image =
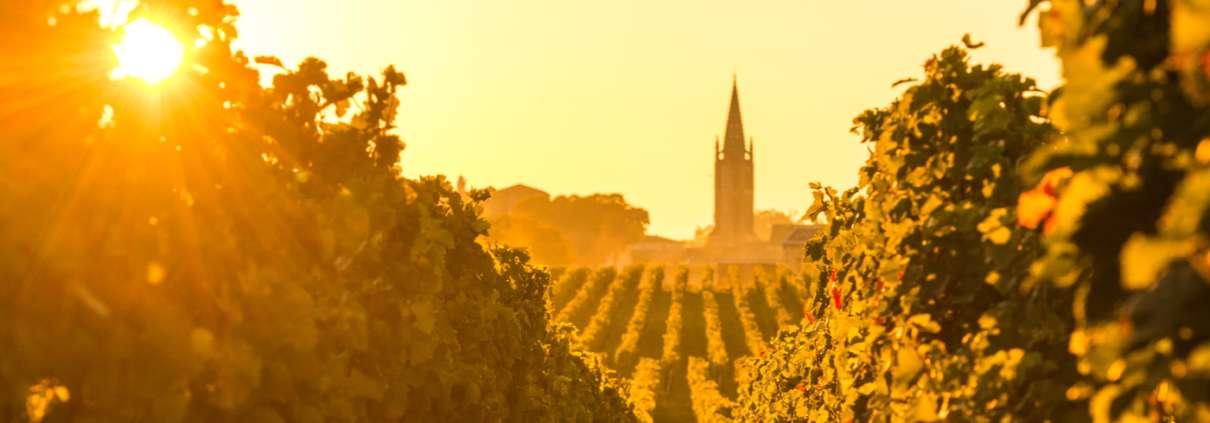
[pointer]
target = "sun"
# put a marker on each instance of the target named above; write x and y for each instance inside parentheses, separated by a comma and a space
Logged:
(148, 51)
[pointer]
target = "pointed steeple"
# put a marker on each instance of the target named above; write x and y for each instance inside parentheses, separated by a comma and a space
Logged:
(733, 139)
(733, 181)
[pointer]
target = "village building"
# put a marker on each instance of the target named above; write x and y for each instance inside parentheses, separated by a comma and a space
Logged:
(732, 241)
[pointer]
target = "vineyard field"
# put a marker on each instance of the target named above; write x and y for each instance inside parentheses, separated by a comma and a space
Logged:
(651, 342)
(605, 305)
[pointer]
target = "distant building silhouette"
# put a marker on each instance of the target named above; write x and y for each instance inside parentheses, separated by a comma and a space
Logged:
(504, 200)
(732, 243)
(733, 182)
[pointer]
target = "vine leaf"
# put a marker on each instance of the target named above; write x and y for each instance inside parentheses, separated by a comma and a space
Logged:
(966, 40)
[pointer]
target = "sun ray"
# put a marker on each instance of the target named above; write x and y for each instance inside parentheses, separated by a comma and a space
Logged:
(148, 51)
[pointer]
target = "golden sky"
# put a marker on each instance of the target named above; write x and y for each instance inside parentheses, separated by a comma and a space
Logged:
(628, 95)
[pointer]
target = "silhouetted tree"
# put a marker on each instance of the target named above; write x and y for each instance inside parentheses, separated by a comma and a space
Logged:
(590, 230)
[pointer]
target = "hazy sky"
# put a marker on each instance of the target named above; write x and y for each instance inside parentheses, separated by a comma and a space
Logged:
(627, 96)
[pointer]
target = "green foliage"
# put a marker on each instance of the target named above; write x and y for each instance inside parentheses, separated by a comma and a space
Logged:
(753, 338)
(772, 287)
(708, 404)
(580, 304)
(596, 331)
(671, 355)
(1128, 230)
(716, 347)
(626, 354)
(584, 389)
(566, 288)
(219, 251)
(918, 302)
(642, 387)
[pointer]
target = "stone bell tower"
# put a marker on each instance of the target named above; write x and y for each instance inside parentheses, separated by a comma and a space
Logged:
(733, 181)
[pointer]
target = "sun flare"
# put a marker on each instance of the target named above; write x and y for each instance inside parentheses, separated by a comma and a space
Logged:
(148, 51)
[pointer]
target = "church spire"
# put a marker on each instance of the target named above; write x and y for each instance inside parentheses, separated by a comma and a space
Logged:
(733, 181)
(733, 139)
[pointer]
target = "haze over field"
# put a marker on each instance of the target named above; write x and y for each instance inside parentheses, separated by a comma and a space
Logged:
(627, 96)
